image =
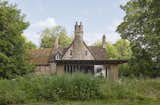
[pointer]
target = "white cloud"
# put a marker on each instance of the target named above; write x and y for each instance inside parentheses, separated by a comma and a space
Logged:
(34, 30)
(47, 23)
(33, 36)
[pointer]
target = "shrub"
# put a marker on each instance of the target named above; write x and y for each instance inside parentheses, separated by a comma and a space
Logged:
(75, 87)
(49, 88)
(10, 93)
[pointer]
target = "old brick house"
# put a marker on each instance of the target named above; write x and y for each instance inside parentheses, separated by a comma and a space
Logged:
(77, 57)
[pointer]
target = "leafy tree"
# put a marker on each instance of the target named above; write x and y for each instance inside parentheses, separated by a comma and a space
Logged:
(141, 26)
(49, 36)
(120, 50)
(123, 49)
(124, 52)
(112, 51)
(28, 44)
(13, 59)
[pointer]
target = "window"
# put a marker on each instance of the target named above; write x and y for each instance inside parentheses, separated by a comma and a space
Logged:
(70, 52)
(57, 57)
(86, 53)
(99, 70)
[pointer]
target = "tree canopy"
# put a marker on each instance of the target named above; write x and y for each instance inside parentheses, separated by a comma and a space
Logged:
(28, 44)
(49, 35)
(13, 59)
(141, 26)
(119, 50)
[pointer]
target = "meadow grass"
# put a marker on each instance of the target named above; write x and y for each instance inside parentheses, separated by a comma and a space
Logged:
(99, 102)
(79, 89)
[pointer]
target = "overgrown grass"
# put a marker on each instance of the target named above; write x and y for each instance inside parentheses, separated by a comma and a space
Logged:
(76, 87)
(49, 88)
(99, 102)
(132, 89)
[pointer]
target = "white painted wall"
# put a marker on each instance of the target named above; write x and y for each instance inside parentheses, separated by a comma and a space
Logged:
(100, 70)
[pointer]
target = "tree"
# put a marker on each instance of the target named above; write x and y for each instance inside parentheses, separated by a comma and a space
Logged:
(28, 44)
(141, 26)
(124, 52)
(13, 59)
(49, 35)
(120, 50)
(123, 49)
(112, 51)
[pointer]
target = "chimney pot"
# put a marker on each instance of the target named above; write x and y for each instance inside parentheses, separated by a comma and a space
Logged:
(79, 31)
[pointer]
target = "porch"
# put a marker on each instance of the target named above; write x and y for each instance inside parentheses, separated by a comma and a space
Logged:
(105, 68)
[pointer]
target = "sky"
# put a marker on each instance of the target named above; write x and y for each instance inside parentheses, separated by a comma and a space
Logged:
(98, 17)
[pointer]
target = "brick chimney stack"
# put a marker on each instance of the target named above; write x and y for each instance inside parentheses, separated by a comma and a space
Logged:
(78, 47)
(79, 31)
(103, 41)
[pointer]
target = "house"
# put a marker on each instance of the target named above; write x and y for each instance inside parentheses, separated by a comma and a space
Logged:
(77, 57)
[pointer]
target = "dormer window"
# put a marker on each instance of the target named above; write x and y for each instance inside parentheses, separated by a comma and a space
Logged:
(58, 57)
(70, 52)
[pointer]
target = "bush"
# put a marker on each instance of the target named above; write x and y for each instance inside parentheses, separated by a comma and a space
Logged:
(10, 93)
(132, 89)
(75, 87)
(49, 88)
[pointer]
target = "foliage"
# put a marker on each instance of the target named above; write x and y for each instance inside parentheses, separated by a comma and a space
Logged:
(28, 44)
(49, 88)
(100, 102)
(77, 87)
(119, 50)
(123, 48)
(13, 59)
(49, 35)
(8, 95)
(111, 50)
(141, 27)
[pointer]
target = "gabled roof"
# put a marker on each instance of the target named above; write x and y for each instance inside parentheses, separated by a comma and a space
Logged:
(42, 56)
(98, 52)
(66, 49)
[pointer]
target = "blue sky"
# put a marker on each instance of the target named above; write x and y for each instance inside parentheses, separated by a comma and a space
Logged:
(98, 16)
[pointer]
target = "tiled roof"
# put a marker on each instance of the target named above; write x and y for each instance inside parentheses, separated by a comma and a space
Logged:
(42, 56)
(98, 52)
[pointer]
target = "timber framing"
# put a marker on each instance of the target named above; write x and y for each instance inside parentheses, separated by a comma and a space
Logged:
(95, 62)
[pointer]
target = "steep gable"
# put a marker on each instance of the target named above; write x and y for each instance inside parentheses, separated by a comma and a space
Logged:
(78, 51)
